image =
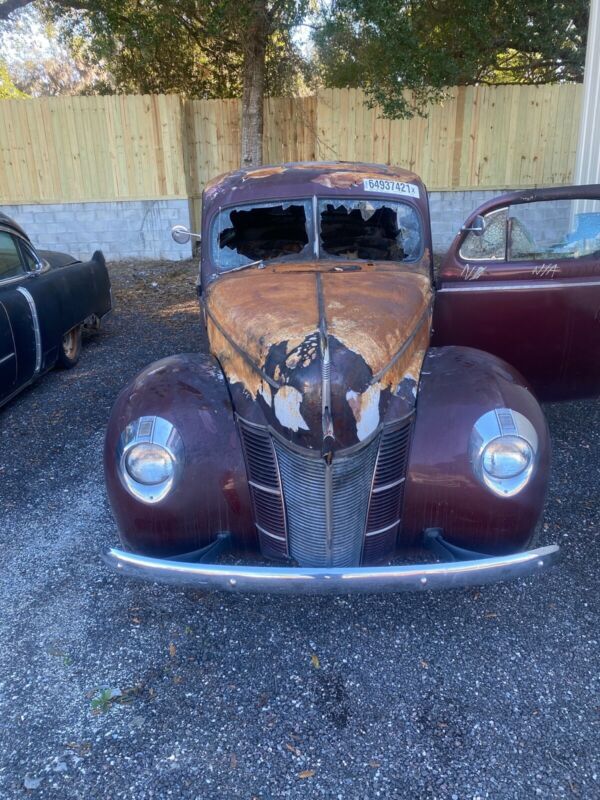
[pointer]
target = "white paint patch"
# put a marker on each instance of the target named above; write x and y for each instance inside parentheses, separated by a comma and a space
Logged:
(265, 392)
(365, 408)
(287, 408)
(415, 382)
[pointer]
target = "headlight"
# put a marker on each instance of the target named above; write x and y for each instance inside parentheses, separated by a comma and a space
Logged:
(150, 458)
(503, 451)
(149, 463)
(507, 457)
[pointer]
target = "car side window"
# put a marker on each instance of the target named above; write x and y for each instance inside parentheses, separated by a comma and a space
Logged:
(489, 245)
(32, 262)
(554, 230)
(11, 265)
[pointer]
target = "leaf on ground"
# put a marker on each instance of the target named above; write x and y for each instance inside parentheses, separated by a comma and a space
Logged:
(306, 773)
(172, 650)
(314, 660)
(293, 749)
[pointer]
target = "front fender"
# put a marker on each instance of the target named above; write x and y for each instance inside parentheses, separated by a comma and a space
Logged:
(211, 494)
(458, 385)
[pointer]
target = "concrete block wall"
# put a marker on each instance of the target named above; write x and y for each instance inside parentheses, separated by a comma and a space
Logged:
(141, 228)
(449, 211)
(124, 229)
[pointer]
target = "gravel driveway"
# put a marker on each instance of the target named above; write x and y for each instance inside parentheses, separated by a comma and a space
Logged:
(112, 689)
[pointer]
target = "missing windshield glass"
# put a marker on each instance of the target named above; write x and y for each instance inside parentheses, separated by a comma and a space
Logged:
(265, 232)
(368, 229)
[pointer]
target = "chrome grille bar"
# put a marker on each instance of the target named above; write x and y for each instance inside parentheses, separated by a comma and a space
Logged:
(265, 490)
(326, 505)
(385, 506)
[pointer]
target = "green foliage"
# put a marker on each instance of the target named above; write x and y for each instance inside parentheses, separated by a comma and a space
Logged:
(405, 53)
(192, 47)
(8, 90)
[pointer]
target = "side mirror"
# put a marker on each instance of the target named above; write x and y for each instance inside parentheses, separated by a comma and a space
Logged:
(477, 226)
(182, 235)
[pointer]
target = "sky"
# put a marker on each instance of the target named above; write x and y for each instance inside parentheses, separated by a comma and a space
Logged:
(24, 38)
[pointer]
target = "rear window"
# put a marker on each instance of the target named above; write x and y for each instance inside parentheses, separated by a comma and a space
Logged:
(371, 230)
(262, 232)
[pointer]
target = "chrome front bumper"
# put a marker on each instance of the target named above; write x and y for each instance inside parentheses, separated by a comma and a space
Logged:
(298, 580)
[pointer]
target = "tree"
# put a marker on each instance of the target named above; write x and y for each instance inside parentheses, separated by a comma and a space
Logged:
(200, 48)
(8, 90)
(39, 64)
(405, 53)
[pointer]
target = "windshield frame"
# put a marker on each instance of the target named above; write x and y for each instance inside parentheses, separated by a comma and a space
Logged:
(309, 247)
(313, 224)
(339, 200)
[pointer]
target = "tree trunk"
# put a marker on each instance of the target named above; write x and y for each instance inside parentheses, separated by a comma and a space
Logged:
(254, 85)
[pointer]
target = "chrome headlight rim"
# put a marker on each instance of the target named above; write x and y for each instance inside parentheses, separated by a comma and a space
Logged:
(159, 432)
(493, 427)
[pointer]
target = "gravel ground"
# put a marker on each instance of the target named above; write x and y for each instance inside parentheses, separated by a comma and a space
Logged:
(112, 689)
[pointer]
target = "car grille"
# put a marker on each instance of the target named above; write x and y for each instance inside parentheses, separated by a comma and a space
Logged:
(320, 515)
(385, 507)
(326, 505)
(265, 490)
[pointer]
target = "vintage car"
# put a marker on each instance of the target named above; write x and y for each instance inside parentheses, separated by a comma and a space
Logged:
(353, 412)
(46, 299)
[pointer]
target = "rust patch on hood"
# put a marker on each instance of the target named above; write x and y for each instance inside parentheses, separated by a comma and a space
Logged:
(374, 314)
(371, 313)
(259, 310)
(273, 331)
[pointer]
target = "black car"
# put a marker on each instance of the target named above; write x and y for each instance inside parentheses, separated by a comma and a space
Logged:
(46, 298)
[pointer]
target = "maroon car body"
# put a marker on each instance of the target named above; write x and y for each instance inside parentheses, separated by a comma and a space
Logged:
(346, 408)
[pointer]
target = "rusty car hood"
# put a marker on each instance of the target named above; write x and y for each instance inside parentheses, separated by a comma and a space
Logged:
(320, 352)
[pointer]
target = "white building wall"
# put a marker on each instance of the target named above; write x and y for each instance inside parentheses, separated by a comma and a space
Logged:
(587, 168)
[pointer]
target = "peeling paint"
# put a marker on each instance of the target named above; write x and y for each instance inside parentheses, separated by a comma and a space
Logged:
(265, 393)
(287, 408)
(365, 408)
(371, 313)
(265, 172)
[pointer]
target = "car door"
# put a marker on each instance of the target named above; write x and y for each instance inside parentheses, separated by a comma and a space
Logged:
(8, 356)
(522, 281)
(19, 330)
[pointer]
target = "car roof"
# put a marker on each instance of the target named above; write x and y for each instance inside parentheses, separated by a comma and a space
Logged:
(7, 222)
(301, 178)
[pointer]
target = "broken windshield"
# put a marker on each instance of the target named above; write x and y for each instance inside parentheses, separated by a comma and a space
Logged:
(375, 230)
(262, 232)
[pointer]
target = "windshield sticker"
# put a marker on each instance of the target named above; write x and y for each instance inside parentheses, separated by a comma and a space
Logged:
(385, 186)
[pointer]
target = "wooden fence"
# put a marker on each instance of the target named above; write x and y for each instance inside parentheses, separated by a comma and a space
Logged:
(73, 149)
